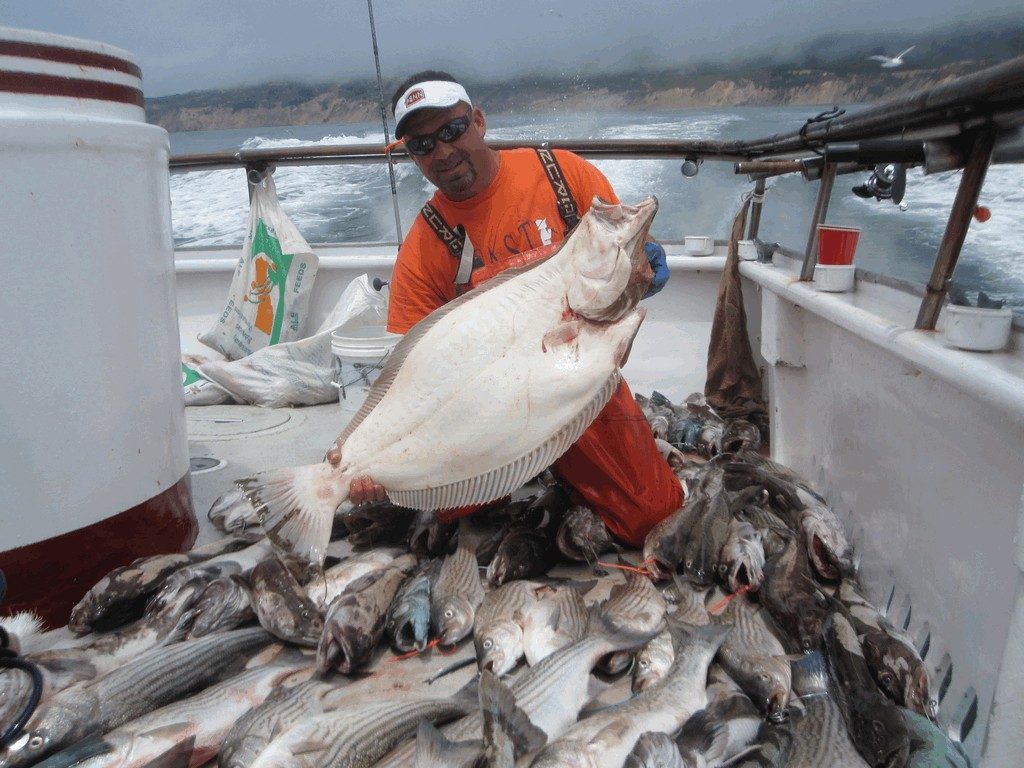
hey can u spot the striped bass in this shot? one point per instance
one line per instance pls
(354, 737)
(485, 392)
(553, 692)
(154, 679)
(606, 739)
(193, 728)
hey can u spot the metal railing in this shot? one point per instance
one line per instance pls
(970, 123)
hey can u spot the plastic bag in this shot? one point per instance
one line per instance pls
(360, 305)
(295, 373)
(199, 390)
(299, 372)
(269, 297)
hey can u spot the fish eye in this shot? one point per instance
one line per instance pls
(763, 677)
(644, 664)
(487, 644)
(887, 678)
(449, 613)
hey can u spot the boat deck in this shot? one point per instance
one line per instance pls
(249, 439)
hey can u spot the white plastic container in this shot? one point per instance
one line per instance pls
(698, 245)
(978, 329)
(747, 250)
(834, 278)
(361, 354)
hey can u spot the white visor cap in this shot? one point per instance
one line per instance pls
(435, 94)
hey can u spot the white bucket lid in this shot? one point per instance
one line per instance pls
(370, 342)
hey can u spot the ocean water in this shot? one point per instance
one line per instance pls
(352, 204)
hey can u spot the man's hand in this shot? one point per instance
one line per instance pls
(363, 488)
(659, 265)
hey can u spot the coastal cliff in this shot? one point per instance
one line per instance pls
(355, 102)
(824, 70)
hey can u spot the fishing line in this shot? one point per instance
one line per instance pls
(384, 122)
(714, 609)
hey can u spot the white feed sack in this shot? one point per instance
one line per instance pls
(269, 297)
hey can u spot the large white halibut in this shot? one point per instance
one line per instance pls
(487, 391)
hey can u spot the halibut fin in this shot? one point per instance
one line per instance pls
(297, 506)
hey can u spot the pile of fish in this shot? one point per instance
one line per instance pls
(739, 636)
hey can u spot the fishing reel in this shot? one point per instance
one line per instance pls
(887, 182)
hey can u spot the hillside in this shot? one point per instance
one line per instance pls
(824, 70)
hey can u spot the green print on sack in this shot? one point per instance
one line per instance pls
(189, 376)
(271, 272)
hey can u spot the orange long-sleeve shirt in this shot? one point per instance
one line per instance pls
(515, 214)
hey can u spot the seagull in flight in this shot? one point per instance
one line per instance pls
(893, 62)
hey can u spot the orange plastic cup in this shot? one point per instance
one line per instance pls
(836, 245)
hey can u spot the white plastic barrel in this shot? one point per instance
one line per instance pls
(93, 416)
(360, 354)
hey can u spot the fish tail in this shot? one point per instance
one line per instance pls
(619, 635)
(710, 636)
(504, 721)
(432, 748)
(297, 506)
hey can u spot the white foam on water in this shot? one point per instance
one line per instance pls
(352, 203)
(992, 250)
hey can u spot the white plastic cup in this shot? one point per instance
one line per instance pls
(978, 329)
(834, 278)
(698, 245)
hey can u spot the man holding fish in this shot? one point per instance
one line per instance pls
(499, 210)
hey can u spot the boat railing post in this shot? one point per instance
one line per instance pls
(828, 178)
(757, 200)
(254, 174)
(956, 228)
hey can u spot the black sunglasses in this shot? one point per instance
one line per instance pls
(449, 132)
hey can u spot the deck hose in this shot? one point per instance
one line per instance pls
(9, 659)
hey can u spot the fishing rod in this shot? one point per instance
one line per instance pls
(384, 122)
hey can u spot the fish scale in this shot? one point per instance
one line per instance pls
(505, 601)
(459, 575)
(322, 589)
(152, 680)
(691, 607)
(159, 675)
(555, 621)
(753, 652)
(354, 738)
(608, 737)
(205, 717)
(553, 692)
(820, 739)
(251, 734)
(459, 579)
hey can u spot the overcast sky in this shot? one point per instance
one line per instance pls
(185, 45)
